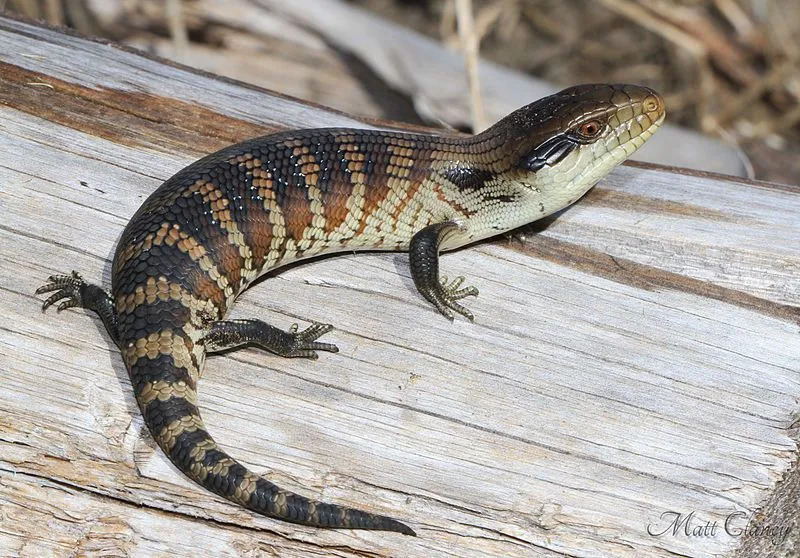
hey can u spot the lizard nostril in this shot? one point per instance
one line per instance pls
(653, 104)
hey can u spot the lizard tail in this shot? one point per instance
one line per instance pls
(164, 367)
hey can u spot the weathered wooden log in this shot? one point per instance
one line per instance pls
(634, 357)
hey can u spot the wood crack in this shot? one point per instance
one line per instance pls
(634, 274)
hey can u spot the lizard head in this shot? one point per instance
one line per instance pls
(561, 145)
(546, 155)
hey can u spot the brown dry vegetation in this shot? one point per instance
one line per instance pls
(730, 68)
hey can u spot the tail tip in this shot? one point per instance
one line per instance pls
(394, 525)
(406, 530)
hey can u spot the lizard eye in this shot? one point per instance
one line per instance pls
(590, 129)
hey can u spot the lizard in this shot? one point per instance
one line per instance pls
(217, 225)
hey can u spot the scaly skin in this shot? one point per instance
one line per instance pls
(204, 235)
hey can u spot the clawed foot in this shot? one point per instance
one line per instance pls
(230, 334)
(69, 287)
(75, 292)
(446, 296)
(303, 344)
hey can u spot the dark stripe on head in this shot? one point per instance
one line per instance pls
(549, 153)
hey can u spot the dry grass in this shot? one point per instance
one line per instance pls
(730, 68)
(469, 41)
(725, 65)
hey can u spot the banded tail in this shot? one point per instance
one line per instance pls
(164, 333)
(163, 377)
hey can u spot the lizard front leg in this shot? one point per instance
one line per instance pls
(424, 260)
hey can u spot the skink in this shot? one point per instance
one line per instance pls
(209, 231)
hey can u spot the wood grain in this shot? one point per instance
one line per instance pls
(636, 355)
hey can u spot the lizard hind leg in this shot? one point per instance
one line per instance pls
(74, 292)
(230, 334)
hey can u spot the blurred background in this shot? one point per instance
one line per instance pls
(729, 69)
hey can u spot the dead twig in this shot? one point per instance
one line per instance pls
(469, 45)
(177, 27)
(696, 49)
(54, 12)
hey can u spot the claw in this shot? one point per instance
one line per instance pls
(451, 292)
(465, 292)
(313, 332)
(67, 304)
(452, 287)
(463, 311)
(305, 344)
(72, 291)
(51, 286)
(450, 304)
(46, 289)
(65, 286)
(50, 301)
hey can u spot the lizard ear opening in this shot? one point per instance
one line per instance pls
(549, 153)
